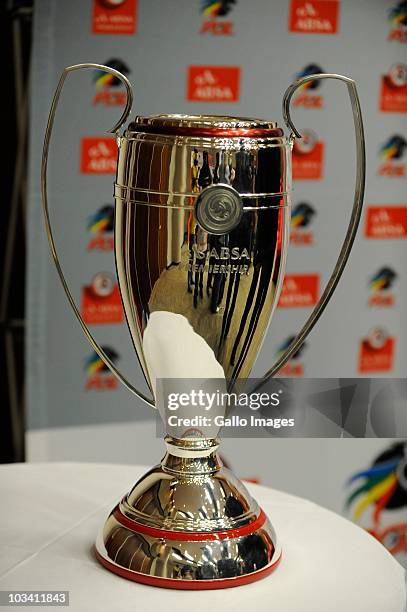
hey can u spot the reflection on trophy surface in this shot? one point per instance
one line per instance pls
(202, 210)
(226, 285)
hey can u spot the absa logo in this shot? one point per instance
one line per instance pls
(213, 83)
(314, 16)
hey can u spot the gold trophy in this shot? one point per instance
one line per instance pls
(202, 217)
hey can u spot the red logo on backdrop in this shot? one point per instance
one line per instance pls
(114, 16)
(101, 303)
(299, 291)
(98, 155)
(386, 222)
(99, 377)
(314, 16)
(213, 83)
(376, 352)
(393, 90)
(308, 157)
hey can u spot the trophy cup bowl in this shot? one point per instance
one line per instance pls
(202, 215)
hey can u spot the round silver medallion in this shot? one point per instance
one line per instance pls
(219, 209)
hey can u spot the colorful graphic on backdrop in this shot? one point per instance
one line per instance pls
(100, 225)
(307, 96)
(393, 90)
(314, 16)
(98, 375)
(380, 285)
(214, 13)
(397, 16)
(301, 218)
(114, 16)
(213, 84)
(308, 157)
(376, 352)
(386, 222)
(391, 154)
(295, 367)
(382, 488)
(109, 89)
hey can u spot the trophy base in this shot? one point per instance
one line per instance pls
(189, 523)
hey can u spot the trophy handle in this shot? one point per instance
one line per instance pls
(356, 209)
(48, 132)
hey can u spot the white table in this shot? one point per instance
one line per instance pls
(50, 514)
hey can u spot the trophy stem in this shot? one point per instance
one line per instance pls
(189, 523)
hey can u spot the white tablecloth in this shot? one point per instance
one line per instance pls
(50, 514)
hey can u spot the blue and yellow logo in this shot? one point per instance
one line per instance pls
(94, 364)
(393, 148)
(398, 14)
(216, 9)
(102, 221)
(302, 214)
(104, 80)
(308, 70)
(382, 280)
(379, 487)
(286, 343)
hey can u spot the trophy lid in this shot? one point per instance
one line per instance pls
(206, 126)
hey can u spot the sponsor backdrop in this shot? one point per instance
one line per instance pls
(230, 57)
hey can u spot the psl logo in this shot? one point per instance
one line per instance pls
(98, 375)
(398, 19)
(295, 366)
(307, 96)
(301, 217)
(382, 487)
(393, 90)
(100, 226)
(212, 11)
(390, 153)
(380, 285)
(308, 157)
(314, 17)
(107, 85)
(376, 352)
(213, 83)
